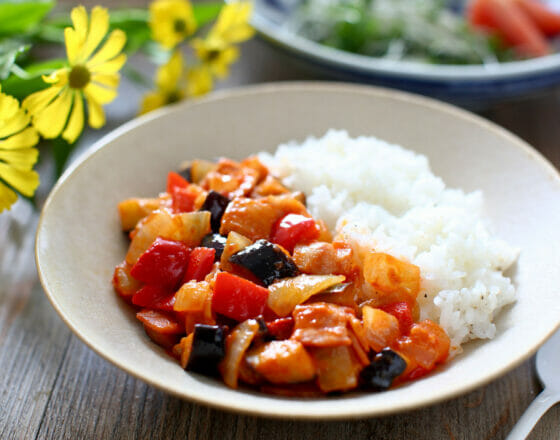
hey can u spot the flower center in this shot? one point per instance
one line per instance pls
(173, 97)
(79, 77)
(211, 55)
(179, 26)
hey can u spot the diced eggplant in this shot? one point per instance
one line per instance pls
(215, 241)
(216, 204)
(266, 261)
(208, 349)
(185, 173)
(385, 367)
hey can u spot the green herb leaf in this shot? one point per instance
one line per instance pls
(61, 150)
(20, 87)
(19, 16)
(9, 51)
(205, 12)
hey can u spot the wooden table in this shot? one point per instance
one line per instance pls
(53, 386)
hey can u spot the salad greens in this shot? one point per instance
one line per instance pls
(432, 31)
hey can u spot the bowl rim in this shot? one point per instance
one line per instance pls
(409, 70)
(271, 88)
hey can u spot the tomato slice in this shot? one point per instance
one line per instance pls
(175, 181)
(238, 298)
(546, 20)
(511, 23)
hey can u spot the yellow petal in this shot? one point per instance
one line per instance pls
(58, 77)
(52, 119)
(74, 45)
(7, 197)
(199, 81)
(37, 101)
(102, 95)
(168, 75)
(9, 106)
(232, 25)
(14, 124)
(151, 101)
(23, 159)
(24, 181)
(98, 28)
(96, 115)
(80, 21)
(112, 47)
(108, 80)
(24, 139)
(76, 121)
(220, 67)
(111, 66)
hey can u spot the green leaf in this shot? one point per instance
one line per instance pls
(61, 150)
(205, 12)
(20, 87)
(9, 51)
(19, 16)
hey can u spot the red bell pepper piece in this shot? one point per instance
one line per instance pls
(238, 298)
(403, 313)
(148, 295)
(163, 264)
(293, 229)
(182, 195)
(281, 328)
(201, 260)
(175, 181)
(164, 303)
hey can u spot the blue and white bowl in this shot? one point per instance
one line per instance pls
(462, 84)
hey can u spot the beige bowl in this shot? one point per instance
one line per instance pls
(79, 239)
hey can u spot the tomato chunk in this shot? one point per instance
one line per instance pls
(403, 313)
(201, 260)
(281, 328)
(293, 229)
(238, 298)
(163, 264)
(546, 20)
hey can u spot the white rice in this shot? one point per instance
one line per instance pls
(382, 196)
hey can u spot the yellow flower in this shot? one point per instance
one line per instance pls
(215, 55)
(171, 21)
(217, 50)
(17, 156)
(232, 25)
(93, 76)
(199, 81)
(170, 83)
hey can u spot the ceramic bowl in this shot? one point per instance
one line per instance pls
(79, 240)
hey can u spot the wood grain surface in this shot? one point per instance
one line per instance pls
(52, 386)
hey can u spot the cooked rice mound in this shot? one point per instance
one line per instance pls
(382, 196)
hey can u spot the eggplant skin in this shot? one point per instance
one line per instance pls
(208, 349)
(214, 241)
(216, 204)
(385, 367)
(266, 261)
